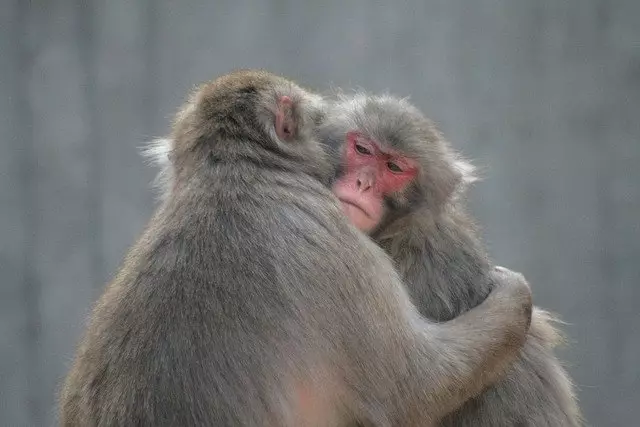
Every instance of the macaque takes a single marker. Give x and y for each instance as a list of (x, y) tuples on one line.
[(250, 300), (399, 181)]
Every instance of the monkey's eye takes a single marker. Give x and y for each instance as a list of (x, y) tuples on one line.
[(394, 167), (363, 150)]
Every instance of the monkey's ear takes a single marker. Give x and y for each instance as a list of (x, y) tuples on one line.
[(285, 123)]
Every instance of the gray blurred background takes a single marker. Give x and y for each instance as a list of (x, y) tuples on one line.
[(544, 95)]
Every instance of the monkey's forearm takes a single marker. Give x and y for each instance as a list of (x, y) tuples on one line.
[(534, 392), (477, 347)]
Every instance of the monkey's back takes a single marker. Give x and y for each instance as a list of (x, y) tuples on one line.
[(216, 300)]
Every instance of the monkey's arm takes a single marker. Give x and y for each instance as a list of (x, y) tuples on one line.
[(535, 391), (438, 366), (475, 349)]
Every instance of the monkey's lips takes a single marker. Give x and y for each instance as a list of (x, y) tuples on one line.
[(363, 208), (359, 215), (347, 202)]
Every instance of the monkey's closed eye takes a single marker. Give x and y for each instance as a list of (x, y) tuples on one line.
[(362, 150), (394, 167)]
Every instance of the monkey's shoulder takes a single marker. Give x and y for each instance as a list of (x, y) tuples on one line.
[(306, 226)]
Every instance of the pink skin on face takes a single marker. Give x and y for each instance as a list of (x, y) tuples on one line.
[(370, 174)]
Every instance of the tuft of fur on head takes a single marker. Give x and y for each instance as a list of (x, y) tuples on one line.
[(157, 153), (395, 122)]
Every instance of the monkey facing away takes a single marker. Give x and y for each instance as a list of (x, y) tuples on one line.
[(400, 181), (250, 300)]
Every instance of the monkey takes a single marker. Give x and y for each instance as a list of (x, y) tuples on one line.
[(399, 180), (249, 299)]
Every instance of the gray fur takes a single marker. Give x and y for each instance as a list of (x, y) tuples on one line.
[(437, 252), (249, 284)]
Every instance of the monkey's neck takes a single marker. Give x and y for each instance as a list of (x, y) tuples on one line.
[(441, 260)]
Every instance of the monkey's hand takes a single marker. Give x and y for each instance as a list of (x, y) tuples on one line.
[(511, 289)]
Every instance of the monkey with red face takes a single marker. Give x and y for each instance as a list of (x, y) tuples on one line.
[(399, 181)]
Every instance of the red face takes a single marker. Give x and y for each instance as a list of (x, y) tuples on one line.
[(370, 174)]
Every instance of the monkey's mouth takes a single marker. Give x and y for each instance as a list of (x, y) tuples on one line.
[(355, 205)]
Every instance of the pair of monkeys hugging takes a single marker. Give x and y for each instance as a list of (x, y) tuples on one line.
[(311, 264)]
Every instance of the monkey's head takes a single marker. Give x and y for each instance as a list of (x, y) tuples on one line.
[(245, 115), (393, 160)]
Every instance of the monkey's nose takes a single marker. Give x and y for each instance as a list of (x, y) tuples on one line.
[(363, 184)]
